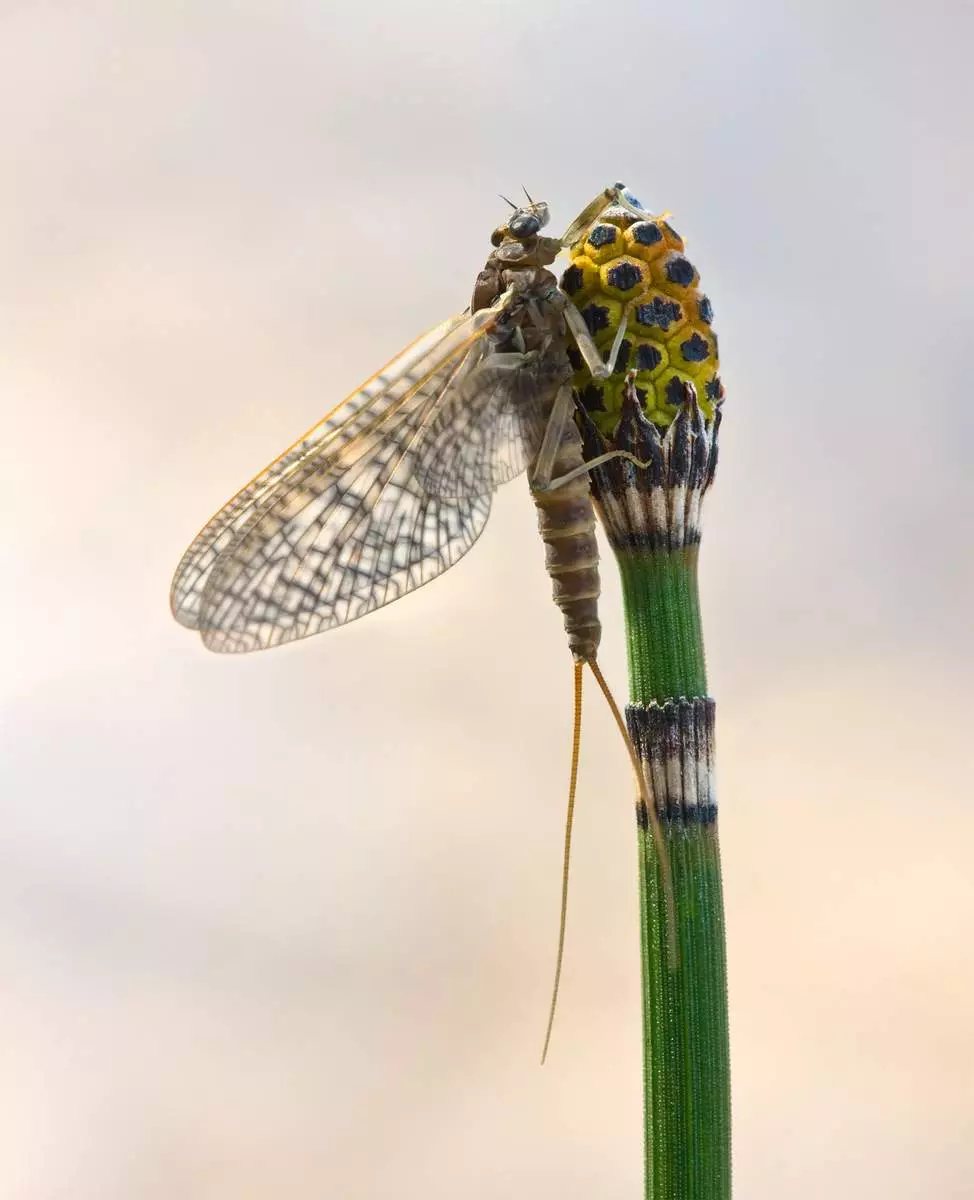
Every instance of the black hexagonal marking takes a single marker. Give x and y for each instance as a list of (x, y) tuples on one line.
[(625, 276), (714, 389), (648, 358), (622, 358), (590, 398), (646, 233), (674, 391), (659, 313), (572, 280), (574, 357), (596, 317), (695, 348), (705, 309), (603, 235), (680, 270)]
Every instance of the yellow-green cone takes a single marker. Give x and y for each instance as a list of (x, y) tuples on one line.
[(638, 267)]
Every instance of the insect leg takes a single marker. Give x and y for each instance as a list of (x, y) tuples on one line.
[(589, 214), (561, 414), (583, 340), (600, 369), (615, 194), (549, 485), (617, 340), (544, 483)]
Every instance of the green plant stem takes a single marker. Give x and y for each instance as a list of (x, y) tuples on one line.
[(686, 1047), (664, 634)]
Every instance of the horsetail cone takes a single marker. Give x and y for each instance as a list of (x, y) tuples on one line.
[(633, 269), (640, 296)]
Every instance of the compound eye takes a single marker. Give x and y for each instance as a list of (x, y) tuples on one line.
[(524, 225), (497, 236)]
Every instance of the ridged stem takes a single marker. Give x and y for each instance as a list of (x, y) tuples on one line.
[(664, 634), (686, 1047)]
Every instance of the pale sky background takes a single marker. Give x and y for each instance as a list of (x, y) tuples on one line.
[(284, 925)]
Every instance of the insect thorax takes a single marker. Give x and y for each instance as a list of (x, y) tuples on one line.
[(535, 319)]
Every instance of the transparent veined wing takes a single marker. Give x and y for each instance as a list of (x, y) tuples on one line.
[(377, 396), (341, 523), (492, 424)]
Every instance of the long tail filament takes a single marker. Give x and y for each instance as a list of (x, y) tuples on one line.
[(650, 805), (569, 819)]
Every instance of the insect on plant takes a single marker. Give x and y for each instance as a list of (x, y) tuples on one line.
[(394, 485)]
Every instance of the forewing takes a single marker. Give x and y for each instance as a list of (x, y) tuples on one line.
[(491, 426), (341, 539), (347, 526), (386, 401)]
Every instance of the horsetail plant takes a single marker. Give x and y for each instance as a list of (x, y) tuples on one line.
[(661, 409)]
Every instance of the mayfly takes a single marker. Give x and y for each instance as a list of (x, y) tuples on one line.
[(394, 485)]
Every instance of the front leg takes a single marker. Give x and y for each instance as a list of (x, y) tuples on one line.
[(617, 194), (590, 353), (551, 484), (598, 367), (560, 423)]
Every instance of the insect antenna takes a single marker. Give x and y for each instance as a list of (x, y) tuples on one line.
[(569, 819), (647, 801), (506, 201)]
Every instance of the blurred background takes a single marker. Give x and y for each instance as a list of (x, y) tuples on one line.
[(285, 924)]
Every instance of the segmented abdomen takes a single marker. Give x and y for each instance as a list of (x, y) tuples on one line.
[(566, 521)]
